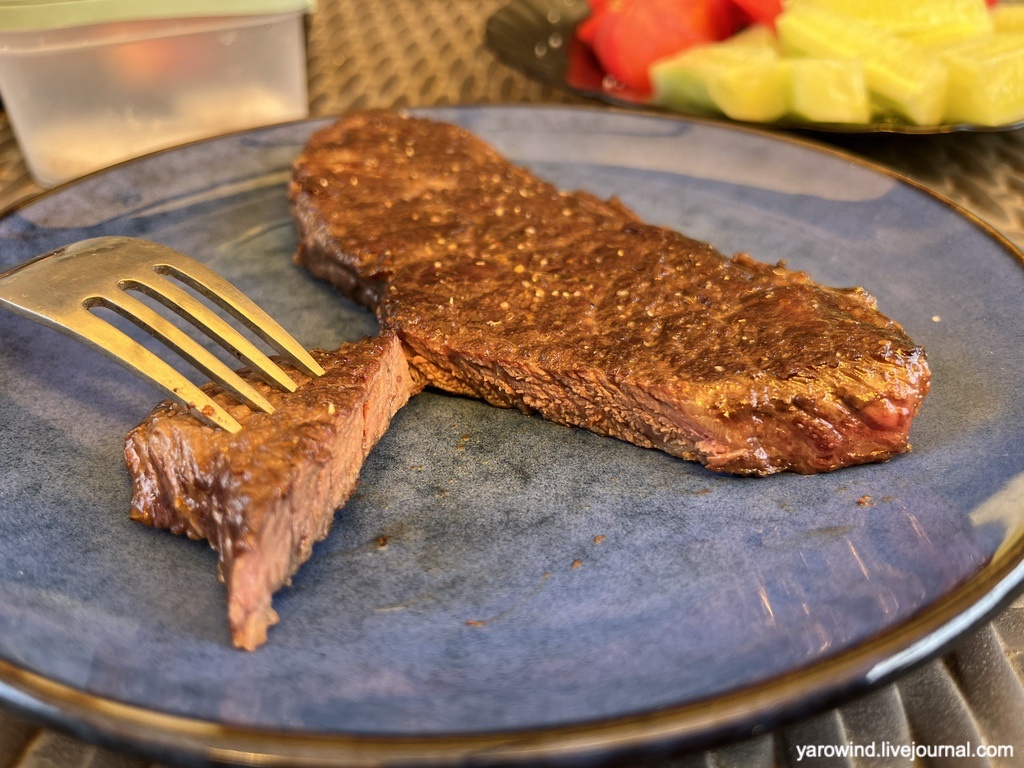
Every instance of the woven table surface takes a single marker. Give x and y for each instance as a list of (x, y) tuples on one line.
[(403, 53)]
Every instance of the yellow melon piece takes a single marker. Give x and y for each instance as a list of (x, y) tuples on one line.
[(900, 76), (758, 93), (744, 82), (829, 91), (1008, 17), (986, 80), (925, 21), (680, 82), (756, 36)]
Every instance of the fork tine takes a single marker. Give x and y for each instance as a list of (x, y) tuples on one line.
[(112, 342), (240, 306), (157, 325), (175, 298), (96, 272)]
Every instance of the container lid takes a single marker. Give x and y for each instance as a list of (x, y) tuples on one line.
[(51, 14)]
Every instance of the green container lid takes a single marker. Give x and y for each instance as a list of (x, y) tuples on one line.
[(23, 15)]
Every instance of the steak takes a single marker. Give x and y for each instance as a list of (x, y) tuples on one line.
[(502, 287), (264, 496)]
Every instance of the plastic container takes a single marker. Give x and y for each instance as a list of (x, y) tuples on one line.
[(89, 83)]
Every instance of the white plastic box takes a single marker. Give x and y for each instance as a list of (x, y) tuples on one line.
[(89, 83)]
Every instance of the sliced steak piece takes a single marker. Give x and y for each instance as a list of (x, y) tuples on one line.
[(264, 496), (502, 287)]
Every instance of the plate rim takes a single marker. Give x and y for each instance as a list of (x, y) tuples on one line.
[(740, 713), (502, 46)]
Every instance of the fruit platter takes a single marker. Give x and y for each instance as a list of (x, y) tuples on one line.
[(918, 66)]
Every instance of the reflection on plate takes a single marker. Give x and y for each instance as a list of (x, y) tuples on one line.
[(700, 607), (537, 37)]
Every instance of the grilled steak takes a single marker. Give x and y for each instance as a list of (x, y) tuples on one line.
[(264, 496), (504, 288)]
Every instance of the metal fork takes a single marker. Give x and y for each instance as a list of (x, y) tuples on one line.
[(60, 288)]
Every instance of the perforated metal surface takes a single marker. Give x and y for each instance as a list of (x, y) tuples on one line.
[(398, 53)]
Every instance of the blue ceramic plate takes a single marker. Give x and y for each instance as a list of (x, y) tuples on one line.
[(502, 588)]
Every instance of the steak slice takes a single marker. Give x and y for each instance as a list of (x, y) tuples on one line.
[(504, 288), (264, 496)]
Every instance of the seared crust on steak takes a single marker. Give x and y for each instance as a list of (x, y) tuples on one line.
[(264, 496), (502, 287)]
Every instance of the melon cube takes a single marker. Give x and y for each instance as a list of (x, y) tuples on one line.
[(901, 76), (986, 80), (829, 90), (918, 20), (1008, 17), (755, 36), (743, 82), (752, 92)]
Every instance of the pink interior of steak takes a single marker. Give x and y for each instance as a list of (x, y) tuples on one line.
[(505, 288), (264, 496)]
